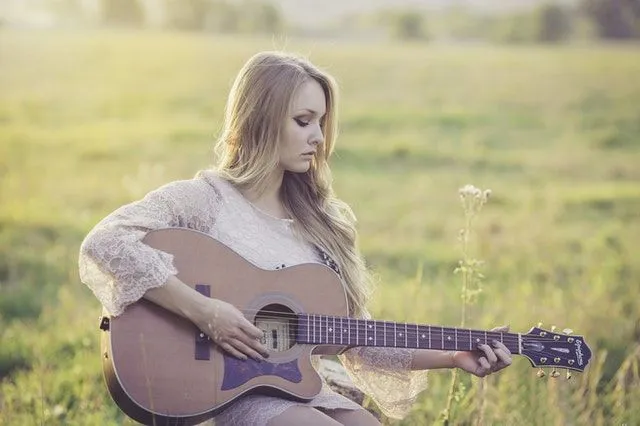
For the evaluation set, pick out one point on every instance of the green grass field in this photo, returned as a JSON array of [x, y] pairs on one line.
[[89, 121]]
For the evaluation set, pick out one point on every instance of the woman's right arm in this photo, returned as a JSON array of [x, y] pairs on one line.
[[223, 322], [120, 269]]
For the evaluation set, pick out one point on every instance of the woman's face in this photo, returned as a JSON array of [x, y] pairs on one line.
[[302, 133]]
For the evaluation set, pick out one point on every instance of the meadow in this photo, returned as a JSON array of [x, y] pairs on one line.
[[90, 121]]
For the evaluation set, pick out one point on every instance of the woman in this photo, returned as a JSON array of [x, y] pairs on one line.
[[270, 199]]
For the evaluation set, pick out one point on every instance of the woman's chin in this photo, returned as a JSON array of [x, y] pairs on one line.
[[300, 168]]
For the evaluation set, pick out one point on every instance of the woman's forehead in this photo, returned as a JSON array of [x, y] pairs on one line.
[[309, 97]]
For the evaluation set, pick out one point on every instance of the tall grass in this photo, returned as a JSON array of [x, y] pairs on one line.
[[89, 121]]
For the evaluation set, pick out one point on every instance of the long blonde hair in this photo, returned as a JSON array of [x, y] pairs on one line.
[[248, 151]]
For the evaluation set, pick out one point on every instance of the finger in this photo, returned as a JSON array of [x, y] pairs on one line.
[[501, 329], [252, 330], [233, 351], [245, 349], [499, 345], [491, 356], [504, 358], [254, 344], [484, 367]]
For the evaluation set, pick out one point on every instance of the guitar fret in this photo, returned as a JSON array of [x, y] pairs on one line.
[[405, 336], [327, 331], [367, 333], [334, 330], [375, 334], [395, 335], [455, 337], [417, 337], [384, 327]]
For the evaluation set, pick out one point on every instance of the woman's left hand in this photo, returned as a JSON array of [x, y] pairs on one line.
[[487, 359]]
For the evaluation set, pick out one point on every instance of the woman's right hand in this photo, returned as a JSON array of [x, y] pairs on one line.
[[229, 329]]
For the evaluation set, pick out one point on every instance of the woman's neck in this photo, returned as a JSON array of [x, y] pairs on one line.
[[269, 199]]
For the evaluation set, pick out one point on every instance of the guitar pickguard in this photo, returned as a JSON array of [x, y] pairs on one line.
[[237, 372]]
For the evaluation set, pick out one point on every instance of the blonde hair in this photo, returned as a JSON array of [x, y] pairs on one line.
[[248, 151]]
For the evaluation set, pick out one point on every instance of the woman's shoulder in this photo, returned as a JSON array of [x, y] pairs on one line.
[[205, 186]]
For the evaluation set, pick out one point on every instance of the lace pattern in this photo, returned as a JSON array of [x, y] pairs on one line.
[[119, 269]]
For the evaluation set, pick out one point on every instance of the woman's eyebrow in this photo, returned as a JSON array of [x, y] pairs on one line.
[[310, 111]]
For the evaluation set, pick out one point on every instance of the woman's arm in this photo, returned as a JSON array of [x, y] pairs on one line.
[[486, 360], [224, 323], [431, 360]]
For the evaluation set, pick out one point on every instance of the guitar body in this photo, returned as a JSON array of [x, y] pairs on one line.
[[158, 368]]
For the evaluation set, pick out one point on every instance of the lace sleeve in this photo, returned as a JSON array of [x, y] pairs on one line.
[[385, 375], [113, 261]]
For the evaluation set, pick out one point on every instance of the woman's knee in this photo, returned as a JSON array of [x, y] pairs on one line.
[[354, 417], [302, 415]]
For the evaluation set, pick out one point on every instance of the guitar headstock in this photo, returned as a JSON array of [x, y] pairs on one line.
[[546, 348]]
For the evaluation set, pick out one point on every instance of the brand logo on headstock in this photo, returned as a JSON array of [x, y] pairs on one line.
[[579, 351]]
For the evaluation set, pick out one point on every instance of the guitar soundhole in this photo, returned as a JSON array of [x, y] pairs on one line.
[[279, 325]]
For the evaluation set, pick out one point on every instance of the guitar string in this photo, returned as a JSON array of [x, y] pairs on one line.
[[435, 331], [437, 334], [361, 325], [360, 322]]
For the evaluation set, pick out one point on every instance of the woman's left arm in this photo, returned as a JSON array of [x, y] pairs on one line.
[[486, 360]]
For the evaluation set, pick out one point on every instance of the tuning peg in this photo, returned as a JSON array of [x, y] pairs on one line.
[[540, 324], [567, 331], [553, 328], [554, 373], [568, 374], [541, 373]]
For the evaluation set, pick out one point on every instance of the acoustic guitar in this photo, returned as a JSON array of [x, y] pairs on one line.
[[161, 370]]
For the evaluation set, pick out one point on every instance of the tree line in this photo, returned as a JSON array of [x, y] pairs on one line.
[[547, 23]]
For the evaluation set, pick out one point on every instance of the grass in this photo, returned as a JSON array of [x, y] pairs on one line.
[[89, 121]]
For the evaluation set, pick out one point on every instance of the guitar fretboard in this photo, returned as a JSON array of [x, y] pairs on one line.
[[330, 330]]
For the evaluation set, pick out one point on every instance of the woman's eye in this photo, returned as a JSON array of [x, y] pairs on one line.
[[301, 123]]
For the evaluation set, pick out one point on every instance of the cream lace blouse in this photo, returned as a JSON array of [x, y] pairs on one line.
[[119, 269]]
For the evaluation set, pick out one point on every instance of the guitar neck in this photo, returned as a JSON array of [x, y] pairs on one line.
[[331, 330]]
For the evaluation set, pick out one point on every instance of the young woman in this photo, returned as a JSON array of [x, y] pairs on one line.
[[270, 199]]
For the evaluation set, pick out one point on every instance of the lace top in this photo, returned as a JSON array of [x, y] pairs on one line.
[[119, 269]]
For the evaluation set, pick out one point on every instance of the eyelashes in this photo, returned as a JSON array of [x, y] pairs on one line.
[[301, 123]]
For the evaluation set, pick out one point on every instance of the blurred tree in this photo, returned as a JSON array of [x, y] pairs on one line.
[[188, 14], [263, 17], [223, 17], [408, 25], [250, 16], [554, 23], [514, 28], [615, 19], [122, 12]]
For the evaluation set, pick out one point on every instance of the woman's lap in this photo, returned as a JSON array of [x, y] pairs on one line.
[[258, 410]]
